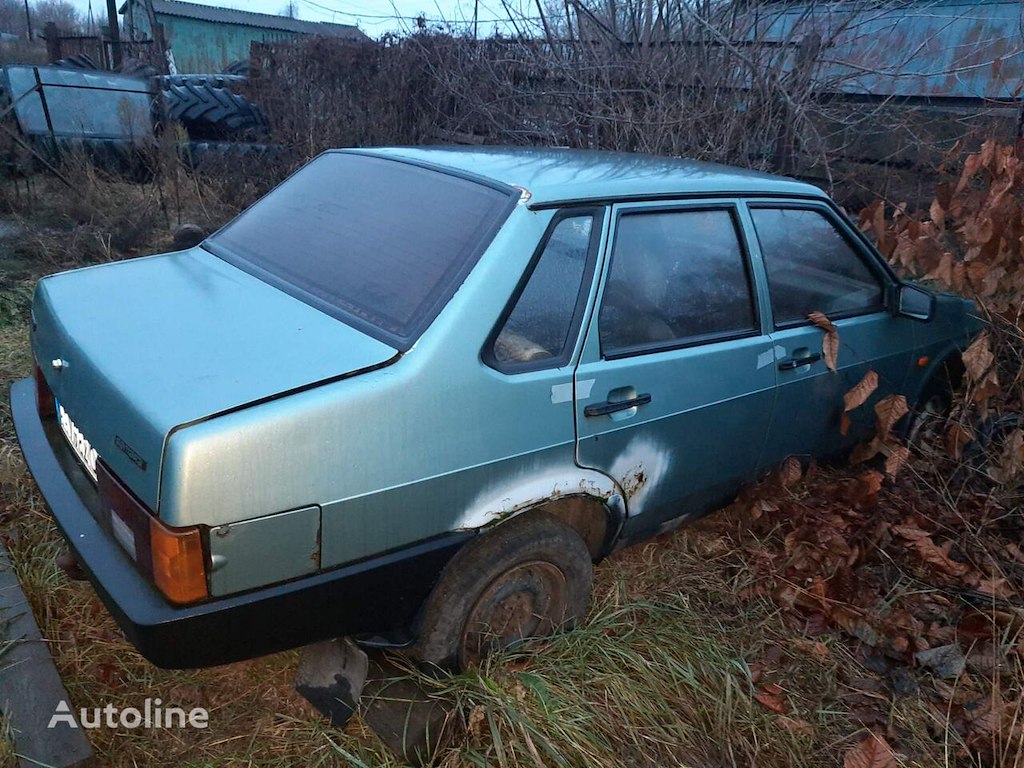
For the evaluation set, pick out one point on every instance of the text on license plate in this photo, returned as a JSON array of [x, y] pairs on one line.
[[83, 450]]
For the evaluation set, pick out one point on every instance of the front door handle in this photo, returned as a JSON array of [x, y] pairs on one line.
[[789, 365], [603, 409]]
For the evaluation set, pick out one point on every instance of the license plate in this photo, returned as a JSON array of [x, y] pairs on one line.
[[85, 453]]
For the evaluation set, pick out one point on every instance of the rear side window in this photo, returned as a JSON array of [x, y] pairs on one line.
[[812, 267], [539, 330], [676, 277], [378, 243]]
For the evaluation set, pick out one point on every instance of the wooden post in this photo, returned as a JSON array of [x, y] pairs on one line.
[[52, 37], [798, 83], [115, 34]]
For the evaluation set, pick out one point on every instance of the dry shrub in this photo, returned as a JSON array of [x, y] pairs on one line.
[[727, 95], [96, 214], [325, 93], [970, 241]]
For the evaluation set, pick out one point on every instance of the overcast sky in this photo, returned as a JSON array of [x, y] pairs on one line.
[[373, 17]]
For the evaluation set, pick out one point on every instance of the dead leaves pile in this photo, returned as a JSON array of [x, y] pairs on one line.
[[918, 574], [970, 238], [902, 581]]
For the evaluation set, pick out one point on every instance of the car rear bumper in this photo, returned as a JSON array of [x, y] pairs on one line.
[[377, 596]]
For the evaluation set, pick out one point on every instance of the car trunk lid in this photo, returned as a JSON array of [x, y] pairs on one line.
[[152, 344]]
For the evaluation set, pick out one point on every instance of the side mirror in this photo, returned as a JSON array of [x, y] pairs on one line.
[[915, 302]]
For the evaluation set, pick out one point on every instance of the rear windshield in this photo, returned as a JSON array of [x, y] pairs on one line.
[[377, 243]]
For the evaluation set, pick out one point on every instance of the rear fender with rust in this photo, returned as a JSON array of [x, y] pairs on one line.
[[586, 500]]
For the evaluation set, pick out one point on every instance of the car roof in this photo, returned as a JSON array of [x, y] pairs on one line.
[[555, 176]]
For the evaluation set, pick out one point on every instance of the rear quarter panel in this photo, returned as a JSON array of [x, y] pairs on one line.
[[396, 455]]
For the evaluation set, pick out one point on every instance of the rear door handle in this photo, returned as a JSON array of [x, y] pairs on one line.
[[603, 409], [789, 365]]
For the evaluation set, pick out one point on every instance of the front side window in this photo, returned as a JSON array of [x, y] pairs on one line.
[[812, 267], [676, 277], [539, 327], [380, 244]]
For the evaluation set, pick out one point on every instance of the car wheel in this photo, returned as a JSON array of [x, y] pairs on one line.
[[527, 578]]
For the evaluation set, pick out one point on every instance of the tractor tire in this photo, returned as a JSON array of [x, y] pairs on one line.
[[213, 81], [210, 113]]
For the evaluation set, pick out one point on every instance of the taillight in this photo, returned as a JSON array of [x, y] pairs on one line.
[[179, 567], [44, 397], [172, 557]]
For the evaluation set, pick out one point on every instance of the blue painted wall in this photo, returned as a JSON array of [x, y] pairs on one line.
[[205, 46]]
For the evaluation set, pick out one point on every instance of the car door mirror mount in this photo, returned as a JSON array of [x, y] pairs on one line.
[[914, 302]]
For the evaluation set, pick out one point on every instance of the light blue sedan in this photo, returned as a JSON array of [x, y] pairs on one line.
[[412, 395]]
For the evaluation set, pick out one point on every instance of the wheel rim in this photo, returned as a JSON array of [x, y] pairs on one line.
[[933, 410], [526, 601]]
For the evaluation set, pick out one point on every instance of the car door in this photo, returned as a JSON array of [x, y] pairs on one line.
[[675, 384], [816, 262]]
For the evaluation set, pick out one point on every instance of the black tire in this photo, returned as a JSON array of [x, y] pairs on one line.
[[214, 81], [533, 573], [213, 113], [78, 61]]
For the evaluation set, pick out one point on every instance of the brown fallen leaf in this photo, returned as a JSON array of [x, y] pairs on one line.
[[937, 214], [759, 506], [830, 349], [772, 698], [997, 587], [822, 321], [790, 472], [931, 552], [814, 648], [795, 725], [888, 411], [1010, 464], [830, 342], [868, 484], [860, 393], [477, 716], [865, 451], [957, 438], [897, 458], [1015, 552], [978, 358], [873, 752], [853, 621]]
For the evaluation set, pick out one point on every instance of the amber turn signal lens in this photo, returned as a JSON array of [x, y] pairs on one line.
[[179, 569]]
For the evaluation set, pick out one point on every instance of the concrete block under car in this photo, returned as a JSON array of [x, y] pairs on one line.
[[339, 678]]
